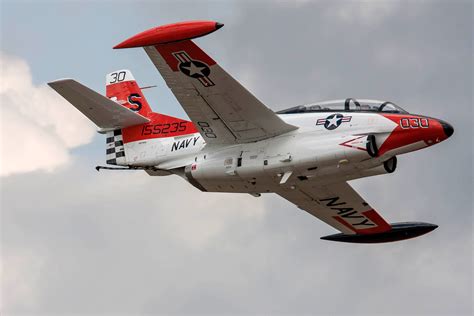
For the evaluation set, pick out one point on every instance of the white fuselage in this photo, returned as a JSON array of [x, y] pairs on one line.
[[312, 153]]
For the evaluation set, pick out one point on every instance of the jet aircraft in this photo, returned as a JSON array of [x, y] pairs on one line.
[[234, 143]]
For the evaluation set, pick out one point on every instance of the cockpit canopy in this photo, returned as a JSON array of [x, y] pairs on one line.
[[347, 105]]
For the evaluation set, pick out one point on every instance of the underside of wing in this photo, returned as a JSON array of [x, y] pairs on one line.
[[340, 206], [105, 113], [221, 108]]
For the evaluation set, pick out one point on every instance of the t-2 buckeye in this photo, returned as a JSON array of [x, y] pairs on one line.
[[234, 143]]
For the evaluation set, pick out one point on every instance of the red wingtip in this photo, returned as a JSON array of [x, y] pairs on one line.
[[171, 33]]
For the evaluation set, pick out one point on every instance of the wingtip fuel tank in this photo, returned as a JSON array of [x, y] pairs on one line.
[[171, 33], [399, 231]]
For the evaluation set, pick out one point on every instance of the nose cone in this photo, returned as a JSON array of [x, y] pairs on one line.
[[447, 128]]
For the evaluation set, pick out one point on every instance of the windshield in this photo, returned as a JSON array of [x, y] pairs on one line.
[[347, 105]]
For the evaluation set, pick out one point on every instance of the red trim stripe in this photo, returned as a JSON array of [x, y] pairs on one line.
[[372, 215]]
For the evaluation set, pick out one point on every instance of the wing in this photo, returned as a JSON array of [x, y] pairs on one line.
[[338, 205], [220, 107], [223, 110], [105, 113]]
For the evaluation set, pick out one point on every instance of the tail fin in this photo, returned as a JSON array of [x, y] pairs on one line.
[[121, 87]]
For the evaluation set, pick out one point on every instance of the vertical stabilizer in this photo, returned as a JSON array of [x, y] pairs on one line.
[[121, 87]]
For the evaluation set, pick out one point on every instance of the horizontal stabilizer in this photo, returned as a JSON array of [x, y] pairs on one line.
[[399, 231], [105, 113]]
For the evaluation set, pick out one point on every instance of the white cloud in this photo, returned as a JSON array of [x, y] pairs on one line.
[[38, 127]]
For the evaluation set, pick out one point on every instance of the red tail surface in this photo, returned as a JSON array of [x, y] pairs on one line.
[[121, 87]]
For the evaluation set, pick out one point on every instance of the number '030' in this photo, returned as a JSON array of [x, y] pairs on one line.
[[206, 129], [414, 122]]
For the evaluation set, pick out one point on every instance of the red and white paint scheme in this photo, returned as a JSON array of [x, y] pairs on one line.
[[234, 143]]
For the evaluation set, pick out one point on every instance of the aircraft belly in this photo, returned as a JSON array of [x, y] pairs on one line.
[[265, 166], [252, 168]]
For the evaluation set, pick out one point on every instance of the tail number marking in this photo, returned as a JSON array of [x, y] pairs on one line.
[[165, 128]]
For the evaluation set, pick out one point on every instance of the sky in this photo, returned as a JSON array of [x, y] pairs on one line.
[[78, 242]]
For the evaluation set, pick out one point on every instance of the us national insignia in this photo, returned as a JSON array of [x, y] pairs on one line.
[[194, 68], [333, 121]]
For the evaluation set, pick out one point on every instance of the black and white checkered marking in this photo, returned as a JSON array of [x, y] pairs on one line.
[[333, 121], [115, 153], [194, 68]]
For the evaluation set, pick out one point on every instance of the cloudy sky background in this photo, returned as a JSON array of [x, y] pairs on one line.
[[74, 241]]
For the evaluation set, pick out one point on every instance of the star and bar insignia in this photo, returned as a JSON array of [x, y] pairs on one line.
[[333, 121], [194, 68]]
